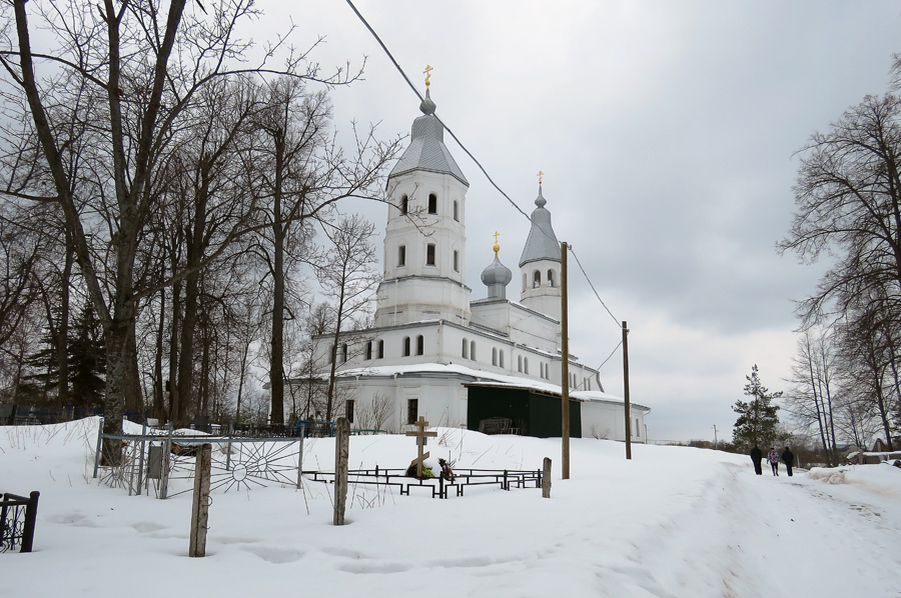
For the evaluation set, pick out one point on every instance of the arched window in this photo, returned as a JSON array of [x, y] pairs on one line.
[[456, 261], [344, 353], [472, 350], [456, 211], [524, 281], [406, 346], [550, 278], [401, 256], [404, 204], [430, 254], [433, 203], [519, 363], [500, 358], [536, 279], [525, 365], [420, 345], [493, 356], [541, 369], [368, 350], [465, 352], [381, 352]]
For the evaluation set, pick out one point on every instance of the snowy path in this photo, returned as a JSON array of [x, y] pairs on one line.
[[776, 536]]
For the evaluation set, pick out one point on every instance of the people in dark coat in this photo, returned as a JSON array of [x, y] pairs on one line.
[[789, 459], [773, 459], [756, 457]]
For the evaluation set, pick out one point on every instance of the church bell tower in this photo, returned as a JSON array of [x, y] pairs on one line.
[[425, 237]]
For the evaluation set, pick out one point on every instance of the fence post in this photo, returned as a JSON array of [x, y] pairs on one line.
[[97, 454], [342, 451], [546, 478], [31, 514], [299, 462], [164, 474], [201, 507]]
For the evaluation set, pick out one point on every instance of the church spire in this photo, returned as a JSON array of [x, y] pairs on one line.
[[541, 244], [427, 151], [496, 276]]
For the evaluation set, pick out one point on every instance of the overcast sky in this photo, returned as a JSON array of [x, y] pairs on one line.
[[667, 133]]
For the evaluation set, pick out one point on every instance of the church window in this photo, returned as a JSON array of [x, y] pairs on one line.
[[420, 345], [456, 211], [368, 350], [525, 365], [349, 410], [519, 364], [412, 411], [433, 203], [493, 355], [472, 350], [456, 261], [344, 353], [637, 429], [465, 351], [523, 281], [500, 358], [550, 278], [406, 346], [536, 279], [381, 349], [541, 369], [402, 255], [404, 204], [430, 254]]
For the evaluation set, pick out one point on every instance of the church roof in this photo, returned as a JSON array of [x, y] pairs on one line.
[[427, 150], [541, 243]]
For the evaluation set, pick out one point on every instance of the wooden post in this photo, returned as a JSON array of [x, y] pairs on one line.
[[627, 410], [342, 455], [546, 479], [564, 369], [201, 507]]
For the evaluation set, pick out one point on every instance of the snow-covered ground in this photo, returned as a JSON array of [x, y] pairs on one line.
[[673, 521]]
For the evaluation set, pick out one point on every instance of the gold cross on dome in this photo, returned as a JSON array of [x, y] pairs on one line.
[[496, 235], [540, 175], [428, 73]]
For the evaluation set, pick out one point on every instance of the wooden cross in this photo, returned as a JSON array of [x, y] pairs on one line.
[[540, 175], [421, 439], [428, 73]]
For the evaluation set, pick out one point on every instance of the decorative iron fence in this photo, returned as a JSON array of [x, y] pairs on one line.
[[163, 462], [17, 518]]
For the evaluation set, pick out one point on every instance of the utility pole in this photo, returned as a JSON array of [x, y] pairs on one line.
[[627, 410], [715, 443], [564, 369]]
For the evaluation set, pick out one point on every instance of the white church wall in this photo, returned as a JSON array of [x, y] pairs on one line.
[[605, 420]]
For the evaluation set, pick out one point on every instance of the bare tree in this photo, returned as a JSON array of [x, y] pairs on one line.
[[348, 277], [810, 401], [130, 73]]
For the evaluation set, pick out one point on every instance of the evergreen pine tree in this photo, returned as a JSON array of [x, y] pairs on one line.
[[757, 419], [87, 361]]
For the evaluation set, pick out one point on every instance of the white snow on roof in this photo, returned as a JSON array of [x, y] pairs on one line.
[[481, 377]]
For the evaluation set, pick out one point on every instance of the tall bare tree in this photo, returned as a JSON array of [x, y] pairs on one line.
[[130, 72]]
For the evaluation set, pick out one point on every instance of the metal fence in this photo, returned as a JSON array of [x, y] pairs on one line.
[[162, 462], [17, 518]]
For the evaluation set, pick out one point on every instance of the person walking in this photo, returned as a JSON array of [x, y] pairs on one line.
[[773, 459], [789, 459], [756, 457]]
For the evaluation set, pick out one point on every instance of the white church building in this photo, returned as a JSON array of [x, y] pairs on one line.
[[490, 362]]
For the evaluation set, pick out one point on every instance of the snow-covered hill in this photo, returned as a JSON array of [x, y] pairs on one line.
[[673, 521]]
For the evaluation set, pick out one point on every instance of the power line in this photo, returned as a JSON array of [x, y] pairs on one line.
[[475, 160]]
